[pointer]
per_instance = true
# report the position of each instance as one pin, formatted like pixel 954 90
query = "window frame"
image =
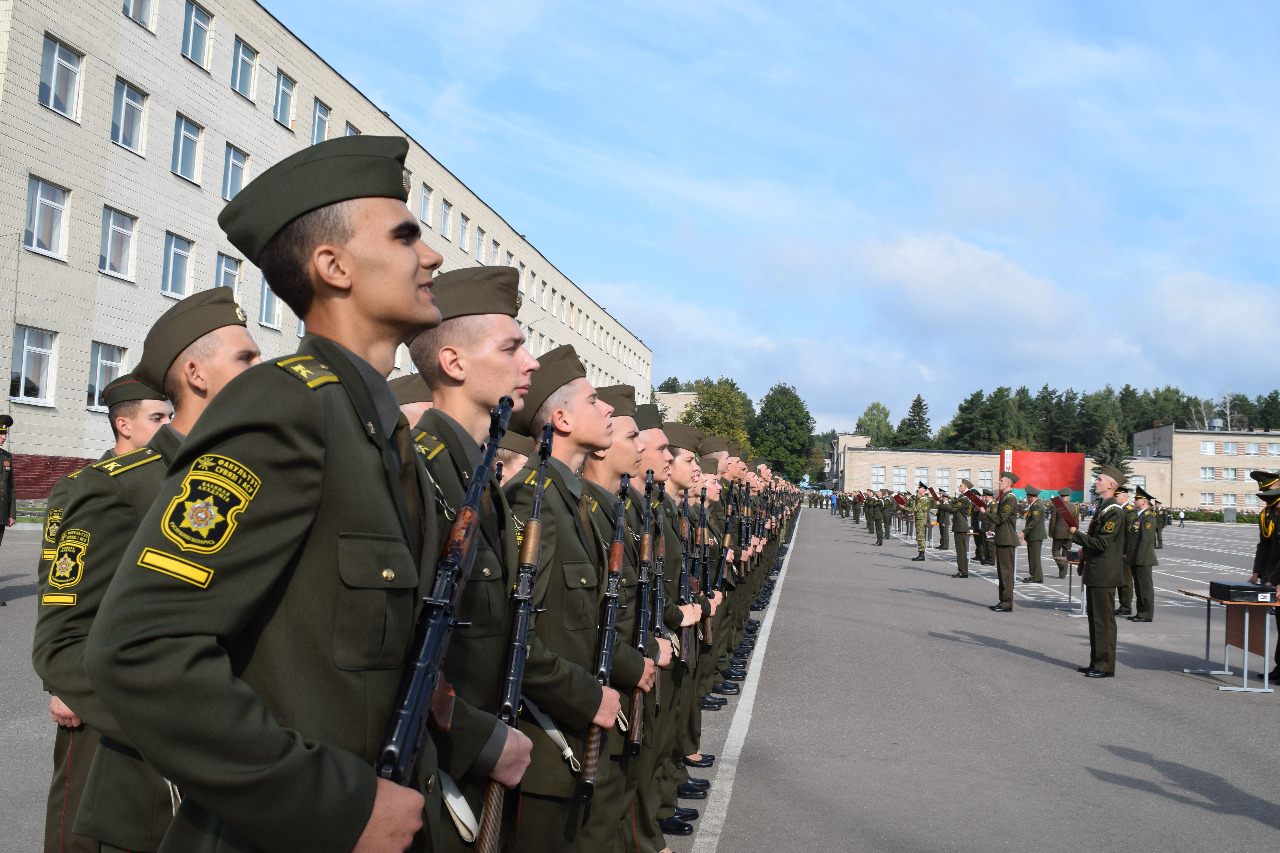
pixel 49 65
pixel 352 130
pixel 267 296
pixel 316 106
pixel 222 262
pixel 464 227
pixel 166 275
pixel 237 67
pixel 1212 500
pixel 120 102
pixel 480 235
pixel 424 207
pixel 1208 448
pixel 36 204
pixel 147 10
pixel 180 123
pixel 189 23
pixel 20 364
pixel 445 210
pixel 228 161
pixel 95 373
pixel 1210 470
pixel 109 229
pixel 281 77
pixel 1234 448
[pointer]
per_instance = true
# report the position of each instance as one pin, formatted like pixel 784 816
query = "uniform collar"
pixel 384 399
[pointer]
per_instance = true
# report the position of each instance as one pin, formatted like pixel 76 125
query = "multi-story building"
pixel 1210 468
pixel 125 125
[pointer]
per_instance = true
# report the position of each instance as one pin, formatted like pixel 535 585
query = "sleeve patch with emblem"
pixel 68 562
pixel 1109 526
pixel 51 523
pixel 203 515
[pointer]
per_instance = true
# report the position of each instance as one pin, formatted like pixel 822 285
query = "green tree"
pixel 875 423
pixel 717 410
pixel 1268 415
pixel 1112 450
pixel 669 385
pixel 783 431
pixel 968 427
pixel 913 430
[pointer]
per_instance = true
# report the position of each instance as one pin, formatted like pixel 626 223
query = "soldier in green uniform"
pixel 1102 568
pixel 1033 533
pixel 1266 556
pixel 919 508
pixel 135 412
pixel 944 521
pixel 855 507
pixel 1058 531
pixel 254 638
pixel 193 351
pixel 984 528
pixel 1161 521
pixel 569 583
pixel 1004 518
pixel 959 509
pixel 1140 555
pixel 1124 592
pixel 8 497
pixel 877 514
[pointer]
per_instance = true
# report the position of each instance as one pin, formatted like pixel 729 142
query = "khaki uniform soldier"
pixel 886 505
pixel 1033 533
pixel 959 509
pixel 1058 532
pixel 855 507
pixel 194 350
pixel 135 413
pixel 944 521
pixel 1004 518
pixel 1161 518
pixel 8 495
pixel 1102 568
pixel 1140 554
pixel 1266 557
pixel 467 364
pixel 919 508
pixel 1125 590
pixel 254 638
pixel 569 583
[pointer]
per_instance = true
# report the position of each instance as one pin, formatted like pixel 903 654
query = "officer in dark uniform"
pixel 1266 557
pixel 1125 591
pixel 1102 568
pixel 1140 554
pixel 254 638
pixel 1033 533
pixel 8 500
pixel 958 510
pixel 1058 531
pixel 1004 518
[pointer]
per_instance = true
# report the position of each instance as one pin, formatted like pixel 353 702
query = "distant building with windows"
pixel 125 125
pixel 1210 468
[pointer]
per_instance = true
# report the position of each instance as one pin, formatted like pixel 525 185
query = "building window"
pixel 445 210
pixel 269 308
pixel 60 78
pixel 479 244
pixel 1273 449
pixel 127 117
pixel 186 148
pixel 511 262
pixel 899 478
pixel 1206 474
pixel 424 211
pixel 1251 501
pixel 115 256
pixel 1207 448
pixel 197 34
pixel 1251 448
pixel 235 172
pixel 943 476
pixel 1230 473
pixel 106 363
pixel 177 265
pixel 228 274
pixel 1138 480
pixel 1229 448
pixel 877 476
pixel 922 476
pixel 1206 499
pixel 302 329
pixel 46 230
pixel 1228 500
pixel 351 130
pixel 463 227
pixel 493 253
pixel 32 367
pixel 244 69
pixel 284 99
pixel 984 478
pixel 139 10
pixel 319 123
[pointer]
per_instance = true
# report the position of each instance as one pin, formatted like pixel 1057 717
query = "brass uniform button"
pixel 485 573
pixel 431 783
pixel 388 575
pixel 582 580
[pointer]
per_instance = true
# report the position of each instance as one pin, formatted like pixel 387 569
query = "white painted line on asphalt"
pixel 713 815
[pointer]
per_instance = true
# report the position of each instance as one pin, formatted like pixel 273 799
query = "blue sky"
pixel 869 201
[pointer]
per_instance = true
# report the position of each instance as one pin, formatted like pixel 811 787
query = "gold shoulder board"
pixel 307 370
pixel 428 445
pixel 117 465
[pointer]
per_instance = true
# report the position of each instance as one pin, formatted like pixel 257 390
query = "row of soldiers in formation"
pixel 280 563
pixel 1117 557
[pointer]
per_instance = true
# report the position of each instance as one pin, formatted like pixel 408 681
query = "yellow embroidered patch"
pixel 59 598
pixel 1109 526
pixel 175 567
pixel 68 560
pixel 203 515
pixel 533 478
pixel 307 370
pixel 51 522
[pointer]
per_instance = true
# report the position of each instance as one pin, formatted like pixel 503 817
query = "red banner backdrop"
pixel 1048 472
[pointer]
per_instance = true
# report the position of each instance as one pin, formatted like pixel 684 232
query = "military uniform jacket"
pixel 8 500
pixel 253 640
pixel 126 803
pixel 944 514
pixel 1130 516
pixel 1004 518
pixel 1102 556
pixel 960 509
pixel 1033 522
pixel 1140 543
pixel 1266 557
pixel 567 590
pixel 920 507
pixel 1058 528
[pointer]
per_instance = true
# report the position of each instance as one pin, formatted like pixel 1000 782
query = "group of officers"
pixel 1114 555
pixel 228 597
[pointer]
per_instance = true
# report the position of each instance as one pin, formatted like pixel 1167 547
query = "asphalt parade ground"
pixel 888 709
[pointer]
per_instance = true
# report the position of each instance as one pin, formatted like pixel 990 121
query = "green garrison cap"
pixel 757 462
pixel 648 417
pixel 477 290
pixel 1013 478
pixel 517 443
pixel 411 388
pixel 1114 473
pixel 714 444
pixel 921 485
pixel 556 368
pixel 683 436
pixel 336 170
pixel 181 326
pixel 1064 493
pixel 6 421
pixel 1139 492
pixel 621 397
pixel 127 388
pixel 709 464
pixel 989 492
pixel 735 449
pixel 1266 480
pixel 1032 492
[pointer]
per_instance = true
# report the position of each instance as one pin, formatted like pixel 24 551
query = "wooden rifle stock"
pixel 488 837
pixel 685 597
pixel 608 636
pixel 704 546
pixel 635 737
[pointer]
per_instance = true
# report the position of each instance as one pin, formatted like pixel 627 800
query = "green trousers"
pixel 72 754
pixel 1034 569
pixel 1101 604
pixel 1144 591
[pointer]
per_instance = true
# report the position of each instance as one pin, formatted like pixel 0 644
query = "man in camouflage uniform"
pixel 919 508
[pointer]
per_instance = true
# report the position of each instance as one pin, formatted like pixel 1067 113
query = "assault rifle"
pixel 425 695
pixel 704 548
pixel 487 839
pixel 685 595
pixel 635 737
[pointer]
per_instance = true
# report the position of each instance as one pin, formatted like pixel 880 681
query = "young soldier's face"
pixel 712 482
pixel 145 422
pixel 684 469
pixel 627 450
pixel 590 418
pixel 656 455
pixel 389 267
pixel 235 354
pixel 498 363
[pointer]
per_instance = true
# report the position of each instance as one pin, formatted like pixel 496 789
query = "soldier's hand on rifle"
pixel 692 613
pixel 514 759
pixel 665 650
pixel 610 705
pixel 716 598
pixel 650 675
pixel 396 818
pixel 729 555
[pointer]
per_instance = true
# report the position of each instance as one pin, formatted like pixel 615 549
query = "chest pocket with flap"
pixel 580 595
pixel 373 618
